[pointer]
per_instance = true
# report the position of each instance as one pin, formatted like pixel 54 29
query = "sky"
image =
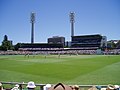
pixel 52 19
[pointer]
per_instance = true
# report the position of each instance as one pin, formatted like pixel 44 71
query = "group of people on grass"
pixel 60 86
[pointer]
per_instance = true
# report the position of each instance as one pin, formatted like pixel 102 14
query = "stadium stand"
pixel 40 45
pixel 87 41
pixel 61 51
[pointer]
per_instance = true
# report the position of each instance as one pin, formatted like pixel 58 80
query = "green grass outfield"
pixel 81 69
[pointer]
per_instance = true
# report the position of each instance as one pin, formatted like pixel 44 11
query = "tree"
pixel 118 44
pixel 5 38
pixel 6 44
pixel 17 46
pixel 113 45
pixel 0 47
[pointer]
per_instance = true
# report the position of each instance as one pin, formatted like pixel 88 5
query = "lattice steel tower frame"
pixel 32 21
pixel 72 21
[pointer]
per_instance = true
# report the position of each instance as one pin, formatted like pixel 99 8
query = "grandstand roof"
pixel 93 35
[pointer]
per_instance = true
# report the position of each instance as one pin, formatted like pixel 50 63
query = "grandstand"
pixel 95 41
pixel 38 46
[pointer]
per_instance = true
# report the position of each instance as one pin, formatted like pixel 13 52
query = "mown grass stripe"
pixel 90 69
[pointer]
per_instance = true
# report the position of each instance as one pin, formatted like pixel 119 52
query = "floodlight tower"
pixel 72 23
pixel 32 21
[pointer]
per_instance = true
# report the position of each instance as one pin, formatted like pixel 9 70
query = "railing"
pixel 21 84
pixel 82 87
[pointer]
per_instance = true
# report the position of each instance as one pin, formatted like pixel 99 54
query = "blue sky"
pixel 52 18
